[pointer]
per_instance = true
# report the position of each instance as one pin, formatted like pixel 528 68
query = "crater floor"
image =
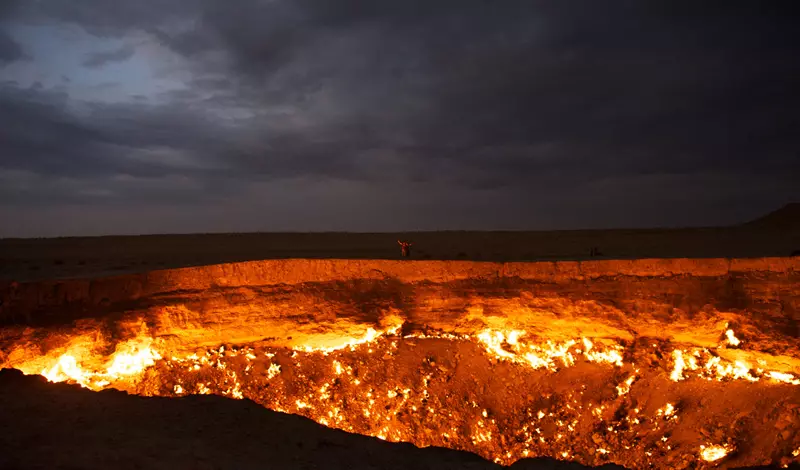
pixel 49 426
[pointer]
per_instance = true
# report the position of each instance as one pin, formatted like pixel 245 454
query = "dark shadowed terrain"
pixel 777 234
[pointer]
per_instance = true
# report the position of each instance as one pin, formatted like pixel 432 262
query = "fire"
pixel 506 345
pixel 625 387
pixel 349 342
pixel 273 371
pixel 713 453
pixel 732 339
pixel 677 371
pixel 67 368
pixel 368 337
pixel 716 368
pixel 130 359
pixel 342 383
pixel 668 413
pixel 783 377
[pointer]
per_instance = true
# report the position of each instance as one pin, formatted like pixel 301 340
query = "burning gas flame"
pixel 131 358
pixel 732 339
pixel 625 387
pixel 715 368
pixel 335 389
pixel 348 342
pixel 783 377
pixel 677 371
pixel 507 345
pixel 712 453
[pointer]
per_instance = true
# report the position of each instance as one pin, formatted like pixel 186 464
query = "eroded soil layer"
pixel 641 363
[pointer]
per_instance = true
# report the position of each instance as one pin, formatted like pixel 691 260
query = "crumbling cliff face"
pixel 634 362
pixel 292 302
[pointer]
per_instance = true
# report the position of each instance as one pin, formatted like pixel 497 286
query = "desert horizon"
pixel 774 234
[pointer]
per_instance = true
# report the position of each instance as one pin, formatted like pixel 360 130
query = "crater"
pixel 640 363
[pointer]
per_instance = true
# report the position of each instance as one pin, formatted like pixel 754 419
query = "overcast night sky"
pixel 176 116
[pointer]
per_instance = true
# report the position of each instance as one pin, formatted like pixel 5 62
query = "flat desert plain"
pixel 776 234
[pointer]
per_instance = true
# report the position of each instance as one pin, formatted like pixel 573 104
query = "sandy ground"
pixel 37 259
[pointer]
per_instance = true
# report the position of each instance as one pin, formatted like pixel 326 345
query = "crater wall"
pixel 302 300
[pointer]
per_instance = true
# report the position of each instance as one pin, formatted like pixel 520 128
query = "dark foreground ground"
pixel 57 426
pixel 777 234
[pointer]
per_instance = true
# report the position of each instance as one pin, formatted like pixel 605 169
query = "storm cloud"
pixel 400 115
pixel 9 49
pixel 98 59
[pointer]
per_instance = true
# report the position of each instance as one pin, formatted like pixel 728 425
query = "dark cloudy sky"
pixel 158 116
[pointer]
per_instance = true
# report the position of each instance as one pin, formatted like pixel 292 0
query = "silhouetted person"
pixel 405 248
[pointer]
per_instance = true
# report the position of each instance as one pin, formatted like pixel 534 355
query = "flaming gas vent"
pixel 513 374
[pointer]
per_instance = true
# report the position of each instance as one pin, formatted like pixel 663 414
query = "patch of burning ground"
pixel 505 395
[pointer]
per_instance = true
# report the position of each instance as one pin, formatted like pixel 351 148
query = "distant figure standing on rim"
pixel 405 248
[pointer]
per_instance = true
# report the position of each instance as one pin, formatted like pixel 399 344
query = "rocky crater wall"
pixel 297 301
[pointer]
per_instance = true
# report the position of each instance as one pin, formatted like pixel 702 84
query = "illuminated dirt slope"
pixel 645 362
